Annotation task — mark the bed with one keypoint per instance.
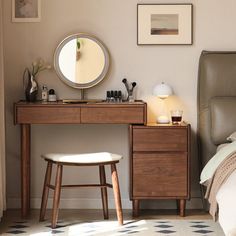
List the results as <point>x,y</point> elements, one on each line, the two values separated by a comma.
<point>216,121</point>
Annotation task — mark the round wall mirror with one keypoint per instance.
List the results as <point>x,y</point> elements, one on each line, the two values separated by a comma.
<point>81,61</point>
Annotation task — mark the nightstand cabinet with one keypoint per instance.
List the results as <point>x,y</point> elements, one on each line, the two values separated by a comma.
<point>160,163</point>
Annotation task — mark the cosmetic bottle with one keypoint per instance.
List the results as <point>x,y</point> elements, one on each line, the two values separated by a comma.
<point>112,99</point>
<point>45,93</point>
<point>108,98</point>
<point>119,96</point>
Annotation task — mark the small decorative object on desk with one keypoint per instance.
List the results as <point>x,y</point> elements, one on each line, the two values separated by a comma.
<point>114,96</point>
<point>29,79</point>
<point>130,91</point>
<point>52,97</point>
<point>176,116</point>
<point>45,93</point>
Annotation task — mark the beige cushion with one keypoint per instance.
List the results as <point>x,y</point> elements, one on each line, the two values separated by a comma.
<point>86,158</point>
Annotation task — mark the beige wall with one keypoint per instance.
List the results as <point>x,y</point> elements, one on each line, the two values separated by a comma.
<point>114,22</point>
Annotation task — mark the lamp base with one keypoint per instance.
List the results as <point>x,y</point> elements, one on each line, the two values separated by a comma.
<point>163,120</point>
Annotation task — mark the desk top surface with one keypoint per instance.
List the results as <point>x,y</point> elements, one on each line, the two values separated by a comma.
<point>81,103</point>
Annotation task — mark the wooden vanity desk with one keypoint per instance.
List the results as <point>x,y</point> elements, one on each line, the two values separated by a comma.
<point>26,114</point>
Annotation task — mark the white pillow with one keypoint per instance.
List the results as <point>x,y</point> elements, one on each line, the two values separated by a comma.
<point>221,146</point>
<point>232,137</point>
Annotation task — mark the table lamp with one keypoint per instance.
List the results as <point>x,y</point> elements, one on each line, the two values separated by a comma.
<point>162,91</point>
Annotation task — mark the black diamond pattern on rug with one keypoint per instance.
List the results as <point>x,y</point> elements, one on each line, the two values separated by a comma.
<point>133,232</point>
<point>166,231</point>
<point>124,231</point>
<point>57,226</point>
<point>57,231</point>
<point>200,226</point>
<point>203,231</point>
<point>16,232</point>
<point>18,226</point>
<point>162,222</point>
<point>164,226</point>
<point>131,226</point>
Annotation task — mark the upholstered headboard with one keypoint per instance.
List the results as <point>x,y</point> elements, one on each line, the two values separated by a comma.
<point>216,101</point>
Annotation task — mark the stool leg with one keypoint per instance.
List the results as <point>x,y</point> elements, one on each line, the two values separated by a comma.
<point>116,189</point>
<point>103,191</point>
<point>45,191</point>
<point>56,198</point>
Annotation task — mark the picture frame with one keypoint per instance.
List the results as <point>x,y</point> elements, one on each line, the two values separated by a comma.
<point>26,10</point>
<point>164,24</point>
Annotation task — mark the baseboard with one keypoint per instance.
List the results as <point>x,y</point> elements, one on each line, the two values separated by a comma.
<point>85,203</point>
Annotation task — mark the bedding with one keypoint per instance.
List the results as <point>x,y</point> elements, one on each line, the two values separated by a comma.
<point>226,201</point>
<point>210,168</point>
<point>221,146</point>
<point>232,137</point>
<point>222,173</point>
<point>219,175</point>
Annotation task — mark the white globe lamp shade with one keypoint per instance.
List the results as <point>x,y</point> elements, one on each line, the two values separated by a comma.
<point>162,90</point>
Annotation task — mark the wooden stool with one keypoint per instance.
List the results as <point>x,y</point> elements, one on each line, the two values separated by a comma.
<point>90,159</point>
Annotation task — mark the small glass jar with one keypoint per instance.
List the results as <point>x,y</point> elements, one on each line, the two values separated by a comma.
<point>176,116</point>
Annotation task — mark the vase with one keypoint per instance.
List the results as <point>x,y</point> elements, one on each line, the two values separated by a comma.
<point>30,86</point>
<point>130,96</point>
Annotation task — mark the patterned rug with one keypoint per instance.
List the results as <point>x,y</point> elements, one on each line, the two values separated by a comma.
<point>104,228</point>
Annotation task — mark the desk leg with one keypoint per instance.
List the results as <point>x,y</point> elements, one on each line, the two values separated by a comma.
<point>25,169</point>
<point>182,207</point>
<point>136,208</point>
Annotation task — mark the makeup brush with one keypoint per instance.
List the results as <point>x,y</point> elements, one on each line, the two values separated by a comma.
<point>126,84</point>
<point>133,85</point>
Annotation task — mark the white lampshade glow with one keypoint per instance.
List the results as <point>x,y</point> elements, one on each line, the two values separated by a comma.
<point>162,91</point>
<point>163,119</point>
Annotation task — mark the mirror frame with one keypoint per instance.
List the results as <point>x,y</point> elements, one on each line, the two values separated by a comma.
<point>65,79</point>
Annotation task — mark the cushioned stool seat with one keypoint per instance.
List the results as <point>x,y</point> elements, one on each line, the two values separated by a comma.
<point>88,159</point>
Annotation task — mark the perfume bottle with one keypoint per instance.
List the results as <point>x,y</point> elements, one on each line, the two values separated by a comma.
<point>45,93</point>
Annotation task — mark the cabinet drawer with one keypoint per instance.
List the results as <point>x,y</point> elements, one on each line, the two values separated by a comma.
<point>112,115</point>
<point>160,139</point>
<point>160,175</point>
<point>47,115</point>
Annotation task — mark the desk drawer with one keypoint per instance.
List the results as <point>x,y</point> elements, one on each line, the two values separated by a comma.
<point>47,115</point>
<point>113,115</point>
<point>160,175</point>
<point>160,139</point>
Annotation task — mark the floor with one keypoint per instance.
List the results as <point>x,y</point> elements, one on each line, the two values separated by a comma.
<point>91,222</point>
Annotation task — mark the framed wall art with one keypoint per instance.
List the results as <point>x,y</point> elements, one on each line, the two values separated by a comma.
<point>26,10</point>
<point>164,24</point>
